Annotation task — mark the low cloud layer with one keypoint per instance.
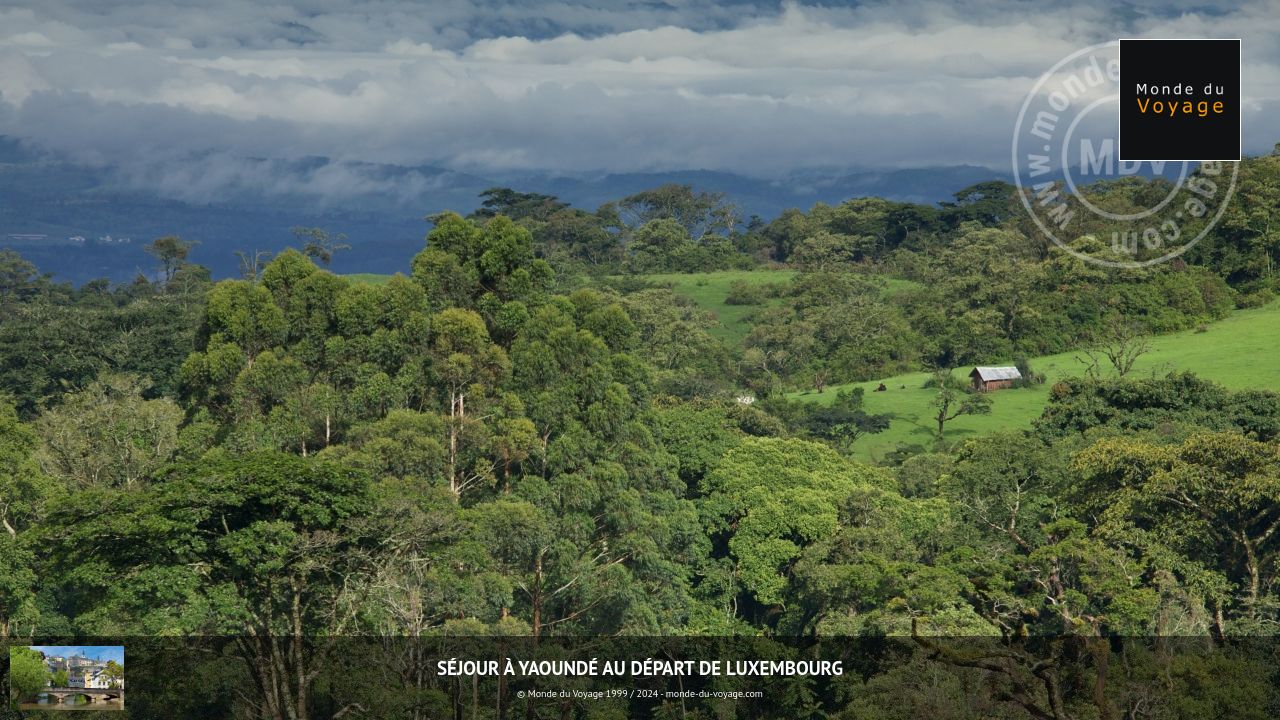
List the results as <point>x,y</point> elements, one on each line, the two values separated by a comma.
<point>754,88</point>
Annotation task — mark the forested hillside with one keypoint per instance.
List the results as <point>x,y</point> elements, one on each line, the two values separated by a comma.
<point>536,432</point>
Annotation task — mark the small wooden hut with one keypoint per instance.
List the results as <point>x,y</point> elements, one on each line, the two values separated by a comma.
<point>986,379</point>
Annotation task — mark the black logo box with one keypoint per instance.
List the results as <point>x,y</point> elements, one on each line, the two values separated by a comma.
<point>1180,64</point>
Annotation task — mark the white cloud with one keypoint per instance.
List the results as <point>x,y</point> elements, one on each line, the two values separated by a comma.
<point>754,88</point>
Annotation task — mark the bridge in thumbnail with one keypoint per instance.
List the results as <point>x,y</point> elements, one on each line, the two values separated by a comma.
<point>93,694</point>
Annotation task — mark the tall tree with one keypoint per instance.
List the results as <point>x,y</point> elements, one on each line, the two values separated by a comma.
<point>698,212</point>
<point>171,251</point>
<point>318,244</point>
<point>467,364</point>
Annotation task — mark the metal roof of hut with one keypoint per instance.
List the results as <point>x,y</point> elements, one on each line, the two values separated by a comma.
<point>996,373</point>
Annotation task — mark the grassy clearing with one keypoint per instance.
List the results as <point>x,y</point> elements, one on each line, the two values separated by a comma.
<point>709,290</point>
<point>1238,352</point>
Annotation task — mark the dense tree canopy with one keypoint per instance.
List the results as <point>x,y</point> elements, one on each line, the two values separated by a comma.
<point>521,437</point>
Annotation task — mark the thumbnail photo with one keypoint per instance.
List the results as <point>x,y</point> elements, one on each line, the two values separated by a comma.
<point>66,677</point>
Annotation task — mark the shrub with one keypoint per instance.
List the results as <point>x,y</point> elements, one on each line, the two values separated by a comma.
<point>1255,299</point>
<point>1030,378</point>
<point>743,293</point>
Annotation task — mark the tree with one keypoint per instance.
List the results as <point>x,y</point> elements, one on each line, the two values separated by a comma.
<point>517,205</point>
<point>879,570</point>
<point>698,212</point>
<point>251,263</point>
<point>1247,240</point>
<point>18,583</point>
<point>27,673</point>
<point>23,491</point>
<point>1179,400</point>
<point>769,498</point>
<point>22,486</point>
<point>825,251</point>
<point>108,435</point>
<point>1122,342</point>
<point>113,673</point>
<point>464,264</point>
<point>171,251</point>
<point>60,679</point>
<point>1214,500</point>
<point>466,363</point>
<point>986,202</point>
<point>655,244</point>
<point>578,234</point>
<point>952,402</point>
<point>406,444</point>
<point>19,279</point>
<point>1050,588</point>
<point>246,314</point>
<point>318,244</point>
<point>266,547</point>
<point>844,421</point>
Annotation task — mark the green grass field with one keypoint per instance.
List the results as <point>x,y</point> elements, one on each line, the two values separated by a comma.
<point>1238,352</point>
<point>709,290</point>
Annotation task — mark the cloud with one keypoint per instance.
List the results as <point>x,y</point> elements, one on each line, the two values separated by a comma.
<point>756,88</point>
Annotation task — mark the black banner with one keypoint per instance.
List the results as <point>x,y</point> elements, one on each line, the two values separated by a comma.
<point>745,678</point>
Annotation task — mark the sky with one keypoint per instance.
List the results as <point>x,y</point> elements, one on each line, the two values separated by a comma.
<point>758,88</point>
<point>102,653</point>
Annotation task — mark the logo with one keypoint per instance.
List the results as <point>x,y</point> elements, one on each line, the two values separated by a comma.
<point>1180,99</point>
<point>1087,201</point>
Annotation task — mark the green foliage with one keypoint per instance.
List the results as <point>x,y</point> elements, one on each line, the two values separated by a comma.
<point>27,672</point>
<point>770,498</point>
<point>318,244</point>
<point>465,265</point>
<point>227,542</point>
<point>19,280</point>
<point>108,435</point>
<point>57,341</point>
<point>19,612</point>
<point>1147,404</point>
<point>113,673</point>
<point>696,212</point>
<point>1205,511</point>
<point>171,251</point>
<point>951,401</point>
<point>23,493</point>
<point>244,313</point>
